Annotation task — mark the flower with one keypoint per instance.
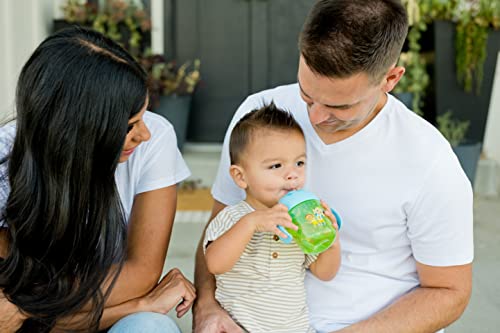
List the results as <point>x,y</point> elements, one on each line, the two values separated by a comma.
<point>120,20</point>
<point>166,78</point>
<point>76,12</point>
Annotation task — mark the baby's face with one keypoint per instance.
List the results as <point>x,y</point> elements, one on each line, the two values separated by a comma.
<point>273,164</point>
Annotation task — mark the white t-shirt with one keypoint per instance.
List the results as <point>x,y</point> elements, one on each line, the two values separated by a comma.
<point>401,193</point>
<point>154,164</point>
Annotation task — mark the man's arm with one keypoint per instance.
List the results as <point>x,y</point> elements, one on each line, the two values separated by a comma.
<point>208,316</point>
<point>441,299</point>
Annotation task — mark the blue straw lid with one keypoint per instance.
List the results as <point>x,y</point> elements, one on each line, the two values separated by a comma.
<point>293,198</point>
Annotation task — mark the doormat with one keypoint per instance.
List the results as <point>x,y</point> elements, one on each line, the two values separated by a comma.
<point>198,199</point>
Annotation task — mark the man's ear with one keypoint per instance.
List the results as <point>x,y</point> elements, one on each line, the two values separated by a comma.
<point>392,78</point>
<point>238,174</point>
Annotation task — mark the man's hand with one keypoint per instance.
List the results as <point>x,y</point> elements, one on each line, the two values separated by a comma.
<point>11,318</point>
<point>213,319</point>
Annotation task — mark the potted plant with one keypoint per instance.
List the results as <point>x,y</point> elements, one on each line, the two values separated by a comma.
<point>454,131</point>
<point>473,20</point>
<point>120,20</point>
<point>171,88</point>
<point>411,88</point>
<point>465,50</point>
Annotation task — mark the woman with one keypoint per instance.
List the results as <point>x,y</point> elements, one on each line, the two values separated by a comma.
<point>87,194</point>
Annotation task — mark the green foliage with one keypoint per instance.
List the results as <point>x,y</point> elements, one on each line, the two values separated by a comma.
<point>453,130</point>
<point>115,18</point>
<point>471,39</point>
<point>473,19</point>
<point>415,80</point>
<point>166,78</point>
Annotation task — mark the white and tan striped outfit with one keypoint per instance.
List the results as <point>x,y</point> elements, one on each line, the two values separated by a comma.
<point>264,291</point>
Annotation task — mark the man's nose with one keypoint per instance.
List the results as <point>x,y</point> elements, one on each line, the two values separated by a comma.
<point>317,113</point>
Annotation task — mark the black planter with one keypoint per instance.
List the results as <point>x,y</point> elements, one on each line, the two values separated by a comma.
<point>176,110</point>
<point>450,96</point>
<point>468,155</point>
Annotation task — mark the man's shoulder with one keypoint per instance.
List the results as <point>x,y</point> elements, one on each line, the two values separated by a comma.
<point>413,127</point>
<point>278,95</point>
<point>286,97</point>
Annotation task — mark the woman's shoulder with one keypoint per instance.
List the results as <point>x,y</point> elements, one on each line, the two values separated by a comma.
<point>157,123</point>
<point>163,136</point>
<point>7,134</point>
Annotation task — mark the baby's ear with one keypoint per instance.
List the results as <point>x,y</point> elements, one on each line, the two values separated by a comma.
<point>238,174</point>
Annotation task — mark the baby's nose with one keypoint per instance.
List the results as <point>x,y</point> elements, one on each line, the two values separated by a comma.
<point>292,175</point>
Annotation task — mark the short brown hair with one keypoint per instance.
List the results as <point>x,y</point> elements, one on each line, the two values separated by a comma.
<point>267,117</point>
<point>341,38</point>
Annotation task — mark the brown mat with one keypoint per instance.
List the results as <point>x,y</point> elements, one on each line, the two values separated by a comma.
<point>194,199</point>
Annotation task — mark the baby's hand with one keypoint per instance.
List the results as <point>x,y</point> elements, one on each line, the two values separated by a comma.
<point>268,220</point>
<point>328,212</point>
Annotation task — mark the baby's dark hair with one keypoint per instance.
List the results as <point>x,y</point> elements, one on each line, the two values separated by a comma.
<point>267,117</point>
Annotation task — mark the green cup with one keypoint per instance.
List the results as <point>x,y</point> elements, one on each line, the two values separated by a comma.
<point>316,232</point>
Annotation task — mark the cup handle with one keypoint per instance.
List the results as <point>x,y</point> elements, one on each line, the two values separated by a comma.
<point>337,217</point>
<point>288,239</point>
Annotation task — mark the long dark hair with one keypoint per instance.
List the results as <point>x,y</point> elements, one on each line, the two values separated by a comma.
<point>66,226</point>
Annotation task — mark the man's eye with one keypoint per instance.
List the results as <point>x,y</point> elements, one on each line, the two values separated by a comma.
<point>301,163</point>
<point>275,166</point>
<point>129,128</point>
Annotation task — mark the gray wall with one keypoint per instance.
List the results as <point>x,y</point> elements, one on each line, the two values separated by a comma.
<point>244,46</point>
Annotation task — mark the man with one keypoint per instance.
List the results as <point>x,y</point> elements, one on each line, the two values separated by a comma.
<point>406,203</point>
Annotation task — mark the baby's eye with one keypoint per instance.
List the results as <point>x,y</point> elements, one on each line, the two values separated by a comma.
<point>301,163</point>
<point>275,166</point>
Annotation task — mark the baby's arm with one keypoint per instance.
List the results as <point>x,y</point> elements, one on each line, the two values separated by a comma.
<point>222,253</point>
<point>328,262</point>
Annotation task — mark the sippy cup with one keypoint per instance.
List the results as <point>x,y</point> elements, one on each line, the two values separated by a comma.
<point>316,232</point>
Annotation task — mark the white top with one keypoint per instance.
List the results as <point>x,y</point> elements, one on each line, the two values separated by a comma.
<point>403,197</point>
<point>154,164</point>
<point>264,291</point>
